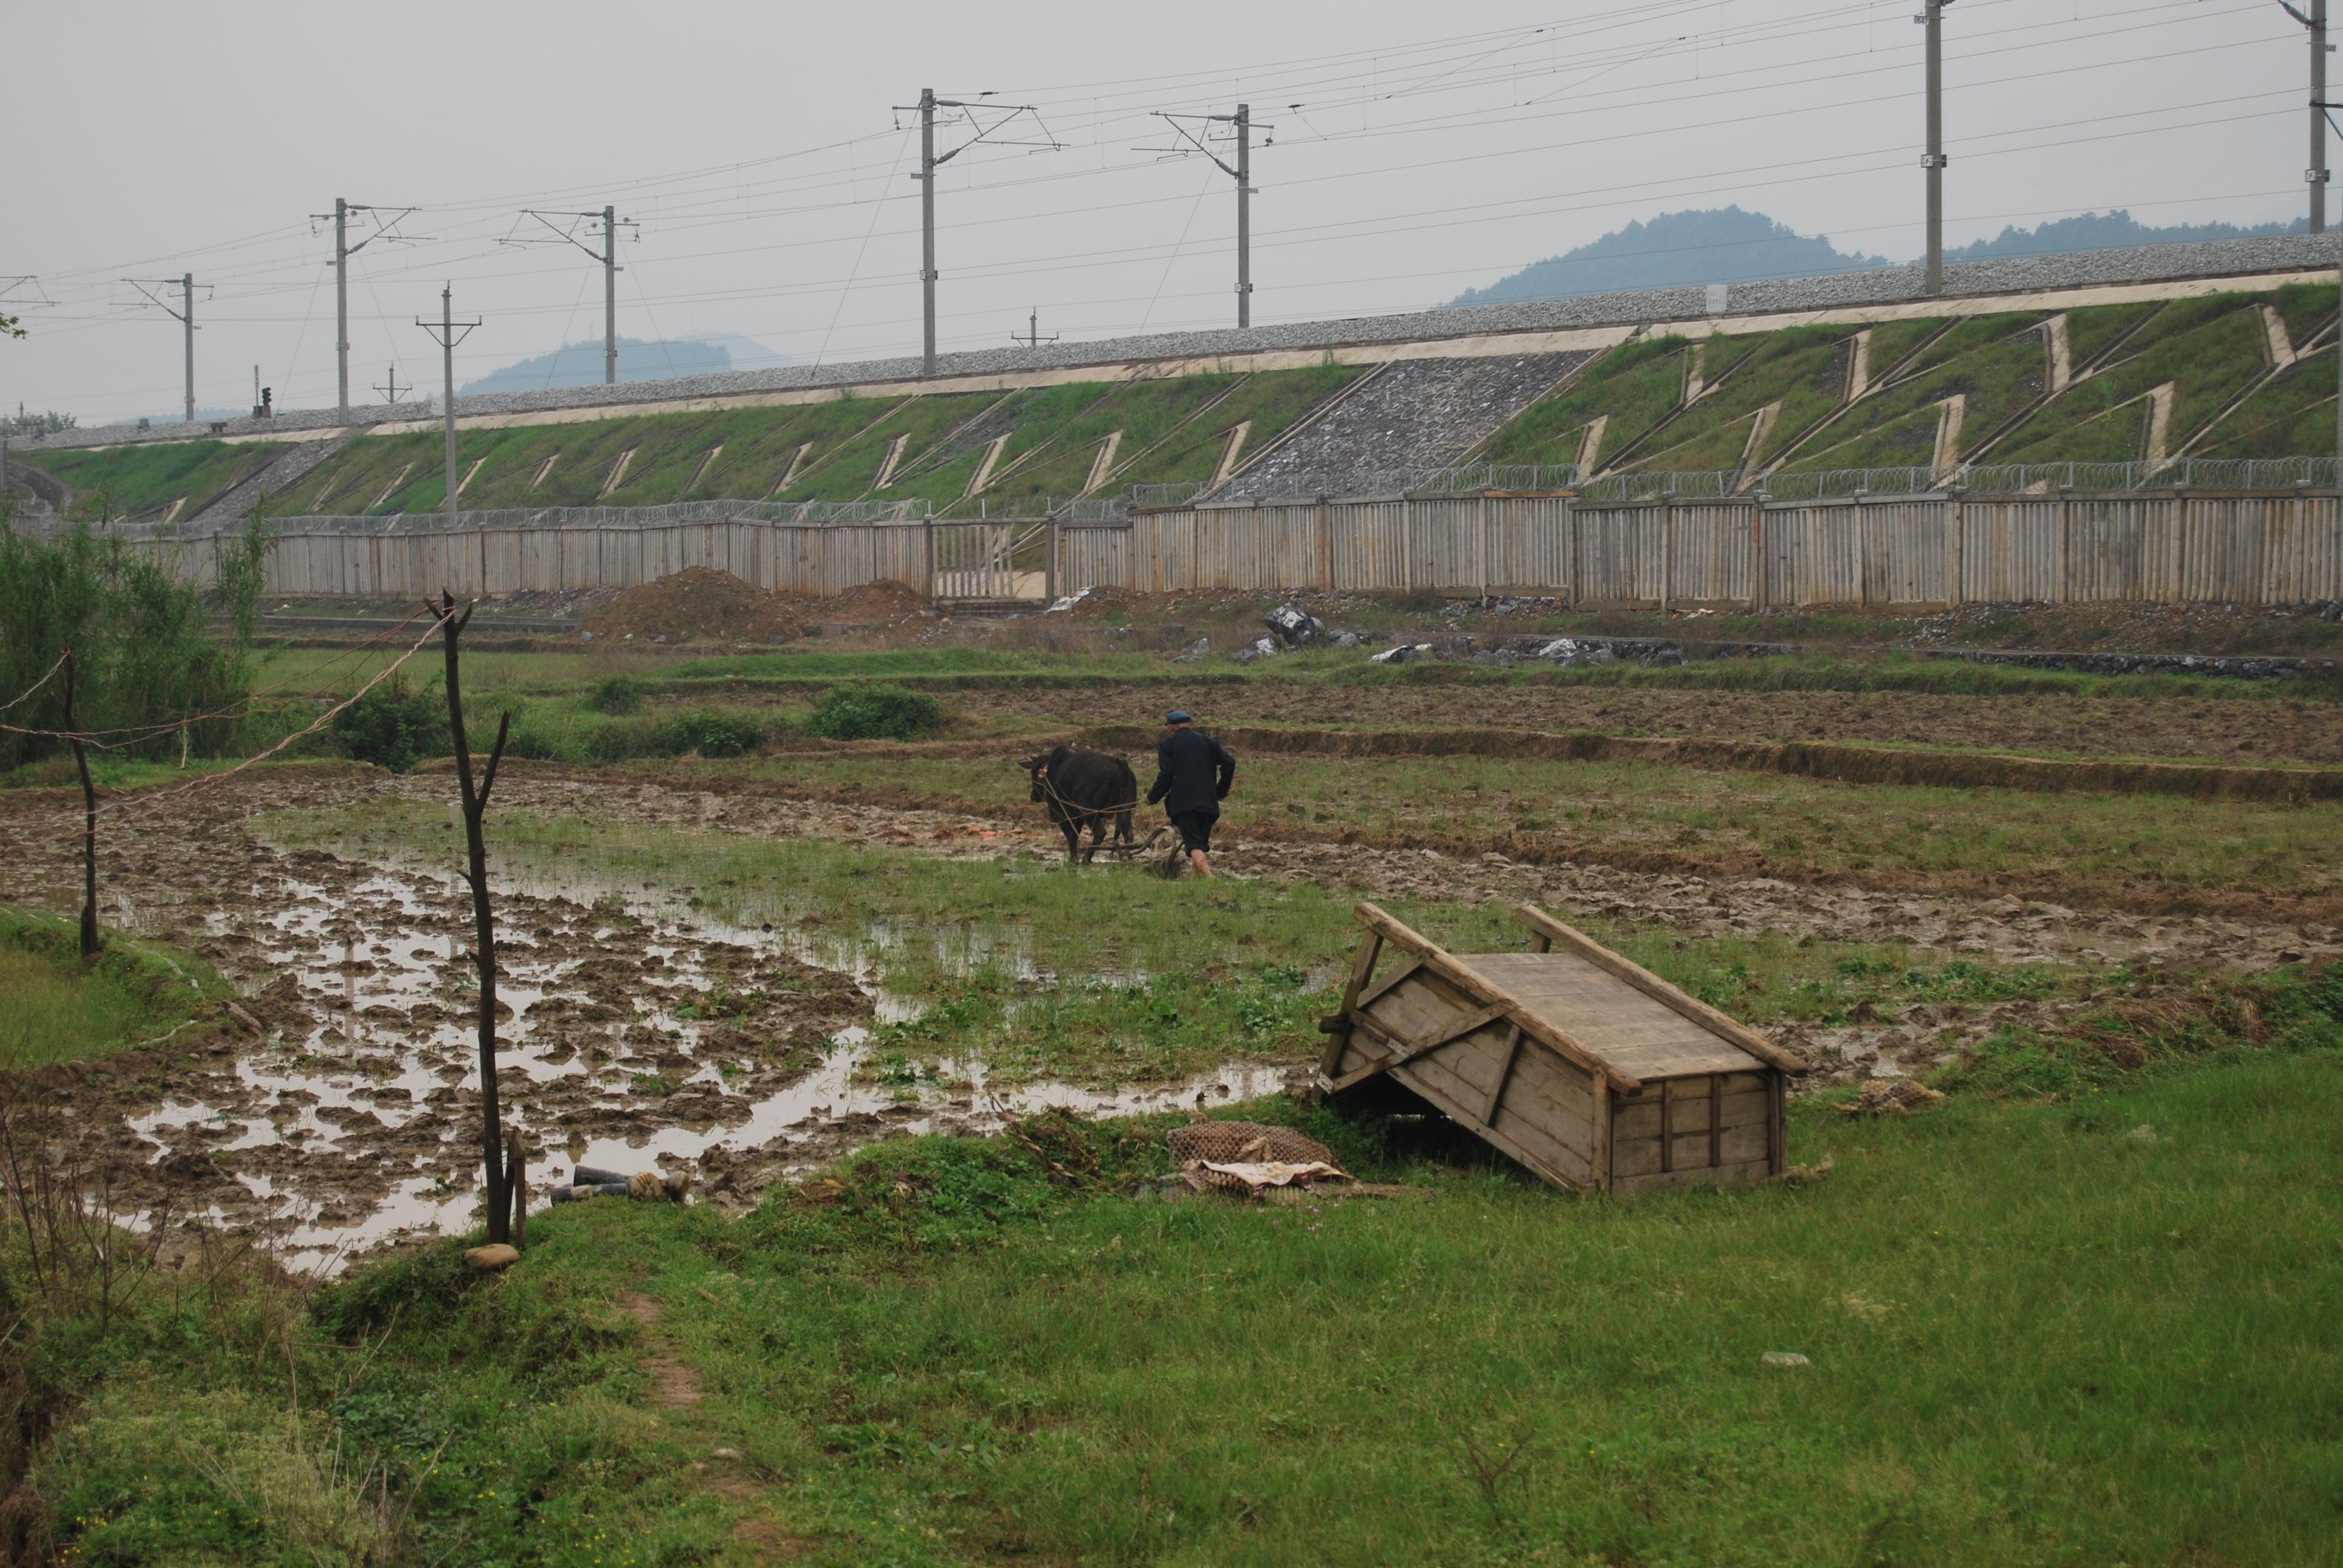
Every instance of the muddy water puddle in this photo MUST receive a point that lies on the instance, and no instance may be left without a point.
(635, 1033)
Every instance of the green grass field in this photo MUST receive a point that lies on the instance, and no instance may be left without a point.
(2036, 1334)
(2081, 1312)
(59, 1009)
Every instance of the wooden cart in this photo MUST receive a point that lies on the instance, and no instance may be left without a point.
(1589, 1070)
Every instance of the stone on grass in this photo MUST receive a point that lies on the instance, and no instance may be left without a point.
(1294, 627)
(492, 1258)
(1785, 1359)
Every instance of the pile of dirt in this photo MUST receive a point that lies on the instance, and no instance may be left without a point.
(883, 603)
(699, 604)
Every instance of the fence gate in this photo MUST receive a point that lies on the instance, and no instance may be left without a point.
(990, 563)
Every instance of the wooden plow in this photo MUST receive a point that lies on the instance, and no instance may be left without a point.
(1584, 1067)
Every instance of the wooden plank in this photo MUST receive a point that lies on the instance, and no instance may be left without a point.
(1634, 1156)
(1389, 982)
(1751, 1142)
(1511, 1147)
(1627, 1029)
(1651, 985)
(1466, 1073)
(1462, 1077)
(1722, 1175)
(1505, 1073)
(1361, 967)
(1777, 1150)
(1576, 1164)
(1409, 1052)
(1604, 1126)
(1441, 963)
(1548, 1089)
(1715, 1104)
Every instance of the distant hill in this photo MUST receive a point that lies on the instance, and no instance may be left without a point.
(1730, 245)
(2115, 230)
(580, 364)
(1718, 246)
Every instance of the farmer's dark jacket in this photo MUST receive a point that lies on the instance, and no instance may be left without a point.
(1193, 773)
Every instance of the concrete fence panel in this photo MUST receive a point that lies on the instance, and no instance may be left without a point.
(2173, 546)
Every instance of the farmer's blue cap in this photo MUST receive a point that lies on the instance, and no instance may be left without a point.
(1178, 716)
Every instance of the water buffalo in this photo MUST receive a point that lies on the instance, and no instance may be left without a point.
(1082, 789)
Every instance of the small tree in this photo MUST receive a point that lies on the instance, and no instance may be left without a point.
(89, 944)
(145, 656)
(500, 1158)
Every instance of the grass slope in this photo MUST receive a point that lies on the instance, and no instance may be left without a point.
(834, 449)
(143, 481)
(1174, 429)
(60, 1008)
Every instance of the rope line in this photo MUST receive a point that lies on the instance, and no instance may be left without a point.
(138, 734)
(145, 805)
(26, 694)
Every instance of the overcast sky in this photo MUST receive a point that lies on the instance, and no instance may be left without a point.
(1409, 152)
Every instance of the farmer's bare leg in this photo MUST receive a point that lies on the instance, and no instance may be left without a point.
(1201, 861)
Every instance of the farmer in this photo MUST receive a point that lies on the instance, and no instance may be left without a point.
(1192, 775)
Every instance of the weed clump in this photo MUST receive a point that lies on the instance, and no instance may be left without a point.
(709, 732)
(874, 713)
(616, 694)
(2146, 1023)
(393, 726)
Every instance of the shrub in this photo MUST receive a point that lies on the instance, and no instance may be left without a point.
(711, 732)
(144, 652)
(394, 728)
(625, 739)
(874, 713)
(616, 694)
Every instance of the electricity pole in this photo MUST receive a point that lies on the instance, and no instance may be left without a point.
(343, 251)
(929, 162)
(1241, 172)
(609, 297)
(1933, 160)
(187, 320)
(185, 315)
(2314, 173)
(342, 308)
(1033, 338)
(447, 333)
(608, 256)
(2315, 24)
(928, 231)
(1244, 215)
